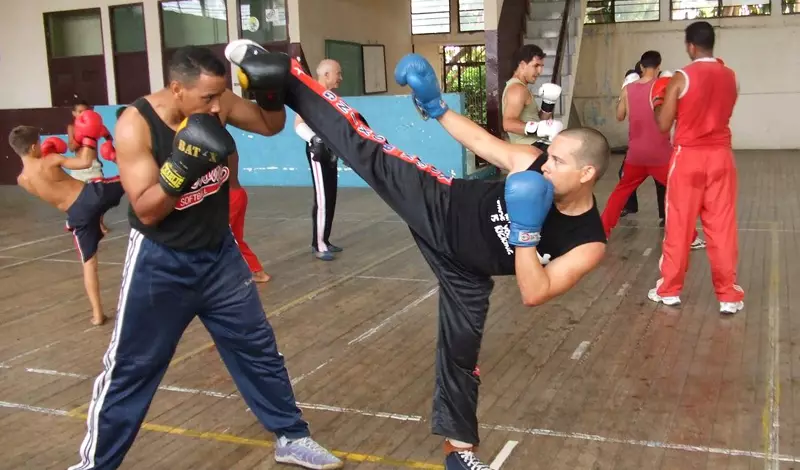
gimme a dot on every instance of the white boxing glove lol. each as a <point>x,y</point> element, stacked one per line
<point>549,93</point>
<point>665,73</point>
<point>544,129</point>
<point>630,78</point>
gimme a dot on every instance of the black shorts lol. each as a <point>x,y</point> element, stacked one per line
<point>83,216</point>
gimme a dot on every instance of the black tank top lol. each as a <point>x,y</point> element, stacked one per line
<point>479,227</point>
<point>200,218</point>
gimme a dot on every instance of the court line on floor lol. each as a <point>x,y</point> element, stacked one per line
<point>363,336</point>
<point>56,260</point>
<point>231,395</point>
<point>382,278</point>
<point>51,237</point>
<point>502,456</point>
<point>303,298</point>
<point>638,442</point>
<point>40,258</point>
<point>27,353</point>
<point>490,427</point>
<point>230,438</point>
<point>368,333</point>
<point>771,415</point>
<point>739,229</point>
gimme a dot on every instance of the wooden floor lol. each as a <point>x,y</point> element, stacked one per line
<point>598,379</point>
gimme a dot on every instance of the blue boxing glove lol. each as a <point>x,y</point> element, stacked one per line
<point>529,197</point>
<point>415,71</point>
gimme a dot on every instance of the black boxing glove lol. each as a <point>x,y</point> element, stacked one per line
<point>200,144</point>
<point>261,72</point>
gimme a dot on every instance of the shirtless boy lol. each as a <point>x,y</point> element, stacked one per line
<point>43,176</point>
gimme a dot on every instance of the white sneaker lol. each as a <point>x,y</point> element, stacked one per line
<point>698,244</point>
<point>671,301</point>
<point>730,308</point>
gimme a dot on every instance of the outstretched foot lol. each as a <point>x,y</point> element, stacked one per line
<point>261,276</point>
<point>305,452</point>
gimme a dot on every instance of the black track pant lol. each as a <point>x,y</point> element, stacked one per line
<point>420,195</point>
<point>325,176</point>
<point>632,205</point>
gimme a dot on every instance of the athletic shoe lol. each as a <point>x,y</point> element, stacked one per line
<point>305,452</point>
<point>671,301</point>
<point>323,255</point>
<point>464,460</point>
<point>334,248</point>
<point>730,308</point>
<point>698,244</point>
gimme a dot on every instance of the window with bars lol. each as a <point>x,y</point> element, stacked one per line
<point>470,15</point>
<point>790,7</point>
<point>698,9</point>
<point>621,11</point>
<point>430,16</point>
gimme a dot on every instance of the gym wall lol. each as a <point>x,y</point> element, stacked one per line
<point>379,22</point>
<point>762,51</point>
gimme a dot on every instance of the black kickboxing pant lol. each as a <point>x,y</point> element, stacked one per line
<point>420,195</point>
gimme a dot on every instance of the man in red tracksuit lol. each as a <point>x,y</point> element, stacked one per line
<point>237,210</point>
<point>649,148</point>
<point>702,175</point>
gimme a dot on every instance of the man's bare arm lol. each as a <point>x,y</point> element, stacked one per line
<point>138,170</point>
<point>622,105</point>
<point>538,284</point>
<point>516,96</point>
<point>495,151</point>
<point>249,116</point>
<point>665,114</point>
<point>84,157</point>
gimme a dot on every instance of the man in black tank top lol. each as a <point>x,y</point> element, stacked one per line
<point>542,224</point>
<point>183,261</point>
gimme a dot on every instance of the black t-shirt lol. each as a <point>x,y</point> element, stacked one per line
<point>479,227</point>
<point>200,218</point>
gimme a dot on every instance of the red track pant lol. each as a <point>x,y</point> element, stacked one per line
<point>632,177</point>
<point>701,181</point>
<point>238,207</point>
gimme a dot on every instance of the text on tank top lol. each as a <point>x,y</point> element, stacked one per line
<point>705,105</point>
<point>530,112</point>
<point>647,145</point>
<point>479,227</point>
<point>200,218</point>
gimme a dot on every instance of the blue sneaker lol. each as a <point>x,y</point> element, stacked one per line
<point>464,460</point>
<point>323,255</point>
<point>305,452</point>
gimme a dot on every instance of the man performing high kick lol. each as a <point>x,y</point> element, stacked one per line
<point>541,224</point>
<point>702,179</point>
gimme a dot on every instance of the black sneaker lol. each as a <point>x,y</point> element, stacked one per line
<point>464,460</point>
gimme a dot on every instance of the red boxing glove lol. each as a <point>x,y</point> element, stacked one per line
<point>53,145</point>
<point>108,152</point>
<point>657,91</point>
<point>88,128</point>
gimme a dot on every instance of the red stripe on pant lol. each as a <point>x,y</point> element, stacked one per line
<point>353,117</point>
<point>632,177</point>
<point>701,181</point>
<point>238,207</point>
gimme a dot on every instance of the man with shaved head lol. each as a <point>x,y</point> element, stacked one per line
<point>324,170</point>
<point>541,224</point>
